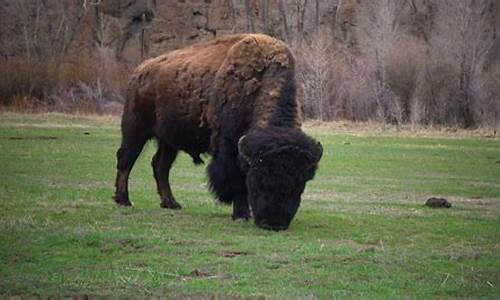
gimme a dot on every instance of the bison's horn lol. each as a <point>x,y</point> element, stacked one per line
<point>241,148</point>
<point>320,147</point>
<point>314,155</point>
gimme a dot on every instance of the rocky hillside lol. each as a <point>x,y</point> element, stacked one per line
<point>134,29</point>
<point>423,61</point>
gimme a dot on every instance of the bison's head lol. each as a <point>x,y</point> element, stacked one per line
<point>278,162</point>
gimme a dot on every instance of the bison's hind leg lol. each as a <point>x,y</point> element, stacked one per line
<point>126,156</point>
<point>162,161</point>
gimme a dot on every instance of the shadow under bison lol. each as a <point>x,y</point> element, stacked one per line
<point>233,98</point>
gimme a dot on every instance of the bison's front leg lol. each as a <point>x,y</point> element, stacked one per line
<point>162,161</point>
<point>241,210</point>
<point>228,183</point>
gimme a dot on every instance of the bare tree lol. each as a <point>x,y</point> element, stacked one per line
<point>265,15</point>
<point>316,15</point>
<point>232,13</point>
<point>350,86</point>
<point>284,18</point>
<point>345,20</point>
<point>48,28</point>
<point>301,8</point>
<point>379,34</point>
<point>421,17</point>
<point>249,14</point>
<point>463,38</point>
<point>88,3</point>
<point>314,76</point>
<point>338,20</point>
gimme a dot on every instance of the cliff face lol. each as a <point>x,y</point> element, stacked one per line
<point>134,29</point>
<point>148,27</point>
<point>76,52</point>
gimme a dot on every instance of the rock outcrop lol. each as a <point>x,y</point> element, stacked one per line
<point>135,29</point>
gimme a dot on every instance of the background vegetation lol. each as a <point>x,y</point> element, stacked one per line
<point>361,231</point>
<point>409,61</point>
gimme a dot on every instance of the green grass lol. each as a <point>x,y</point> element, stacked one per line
<point>361,230</point>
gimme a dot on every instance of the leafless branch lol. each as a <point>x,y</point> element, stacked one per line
<point>88,3</point>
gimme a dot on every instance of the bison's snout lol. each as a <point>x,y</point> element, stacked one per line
<point>274,213</point>
<point>272,226</point>
<point>272,220</point>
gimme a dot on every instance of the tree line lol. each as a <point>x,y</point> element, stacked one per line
<point>394,61</point>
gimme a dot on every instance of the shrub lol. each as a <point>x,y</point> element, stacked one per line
<point>82,84</point>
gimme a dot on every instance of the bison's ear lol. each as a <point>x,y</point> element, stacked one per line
<point>242,145</point>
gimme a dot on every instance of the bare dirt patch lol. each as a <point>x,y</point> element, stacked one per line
<point>232,254</point>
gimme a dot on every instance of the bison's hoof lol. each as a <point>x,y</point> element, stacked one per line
<point>122,200</point>
<point>242,218</point>
<point>172,204</point>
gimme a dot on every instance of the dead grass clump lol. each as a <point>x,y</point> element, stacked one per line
<point>80,84</point>
<point>373,128</point>
<point>21,79</point>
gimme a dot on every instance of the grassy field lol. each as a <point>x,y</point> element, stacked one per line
<point>362,229</point>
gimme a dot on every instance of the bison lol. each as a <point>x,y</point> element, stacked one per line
<point>233,98</point>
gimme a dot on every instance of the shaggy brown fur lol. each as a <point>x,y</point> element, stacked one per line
<point>204,98</point>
